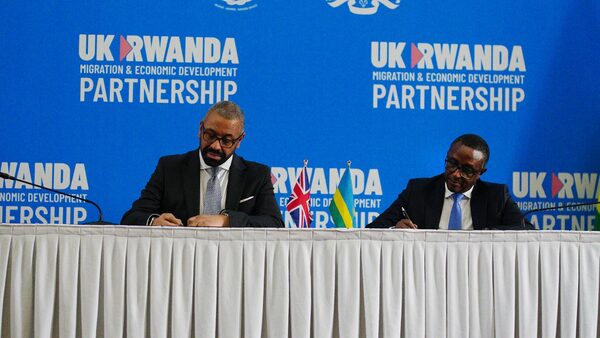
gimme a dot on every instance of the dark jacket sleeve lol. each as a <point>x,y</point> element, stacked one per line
<point>150,199</point>
<point>509,215</point>
<point>261,209</point>
<point>392,214</point>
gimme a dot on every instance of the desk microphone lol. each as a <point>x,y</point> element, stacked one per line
<point>98,222</point>
<point>554,208</point>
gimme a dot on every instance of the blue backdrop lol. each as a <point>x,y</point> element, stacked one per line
<point>92,94</point>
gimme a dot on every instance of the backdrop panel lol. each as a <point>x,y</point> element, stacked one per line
<point>94,93</point>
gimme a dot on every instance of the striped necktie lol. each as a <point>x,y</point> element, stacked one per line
<point>212,199</point>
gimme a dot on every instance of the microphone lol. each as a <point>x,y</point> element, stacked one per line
<point>98,222</point>
<point>554,208</point>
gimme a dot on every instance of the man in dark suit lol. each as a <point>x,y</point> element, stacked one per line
<point>209,186</point>
<point>456,199</point>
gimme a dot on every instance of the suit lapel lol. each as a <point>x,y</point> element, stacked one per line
<point>434,203</point>
<point>478,209</point>
<point>237,179</point>
<point>191,186</point>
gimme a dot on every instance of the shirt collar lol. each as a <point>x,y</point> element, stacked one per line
<point>449,193</point>
<point>224,166</point>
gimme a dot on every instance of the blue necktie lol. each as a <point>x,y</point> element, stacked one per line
<point>455,222</point>
<point>212,199</point>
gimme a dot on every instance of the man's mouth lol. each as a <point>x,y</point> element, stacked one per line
<point>454,183</point>
<point>214,155</point>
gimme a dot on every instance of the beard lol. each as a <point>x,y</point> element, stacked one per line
<point>214,162</point>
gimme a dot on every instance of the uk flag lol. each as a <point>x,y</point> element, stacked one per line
<point>299,202</point>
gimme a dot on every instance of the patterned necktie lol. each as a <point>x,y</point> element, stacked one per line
<point>455,222</point>
<point>212,199</point>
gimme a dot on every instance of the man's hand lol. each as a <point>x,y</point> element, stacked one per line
<point>166,219</point>
<point>208,221</point>
<point>405,224</point>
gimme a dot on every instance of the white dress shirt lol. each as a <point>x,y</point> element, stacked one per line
<point>465,205</point>
<point>223,178</point>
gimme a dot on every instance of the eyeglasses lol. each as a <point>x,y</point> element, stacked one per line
<point>226,142</point>
<point>465,172</point>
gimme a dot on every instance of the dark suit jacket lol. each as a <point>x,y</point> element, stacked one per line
<point>175,187</point>
<point>491,206</point>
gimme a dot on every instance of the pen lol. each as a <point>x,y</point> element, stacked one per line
<point>405,214</point>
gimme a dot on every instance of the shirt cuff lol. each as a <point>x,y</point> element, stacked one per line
<point>151,219</point>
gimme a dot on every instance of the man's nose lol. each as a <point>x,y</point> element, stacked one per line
<point>216,145</point>
<point>457,173</point>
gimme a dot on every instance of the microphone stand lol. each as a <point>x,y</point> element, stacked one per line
<point>98,222</point>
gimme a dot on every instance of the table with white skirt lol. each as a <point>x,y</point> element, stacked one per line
<point>123,281</point>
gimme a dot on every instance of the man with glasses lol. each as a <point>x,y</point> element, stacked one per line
<point>209,186</point>
<point>456,199</point>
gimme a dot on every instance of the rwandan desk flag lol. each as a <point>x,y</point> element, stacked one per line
<point>299,202</point>
<point>342,205</point>
<point>597,221</point>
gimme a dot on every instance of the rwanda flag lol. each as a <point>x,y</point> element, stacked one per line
<point>342,205</point>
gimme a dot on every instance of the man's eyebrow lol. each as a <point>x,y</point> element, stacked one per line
<point>214,132</point>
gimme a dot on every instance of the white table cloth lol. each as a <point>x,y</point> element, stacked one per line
<point>117,281</point>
